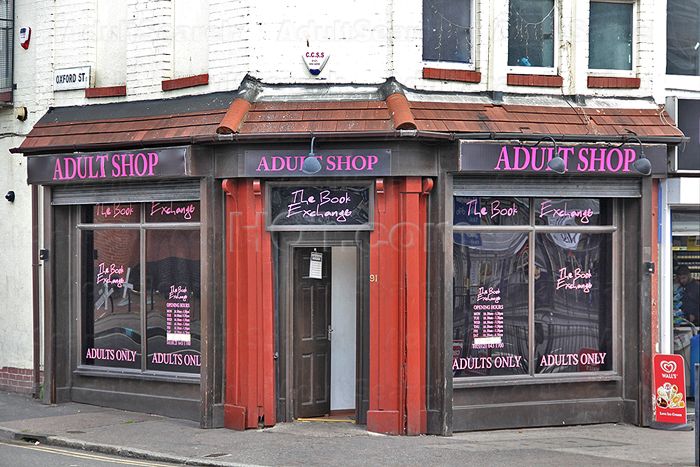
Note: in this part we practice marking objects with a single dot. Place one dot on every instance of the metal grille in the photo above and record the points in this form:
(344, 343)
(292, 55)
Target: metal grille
(6, 41)
(180, 190)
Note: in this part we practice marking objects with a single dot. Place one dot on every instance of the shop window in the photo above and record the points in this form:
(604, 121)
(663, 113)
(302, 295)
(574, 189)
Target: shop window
(610, 36)
(683, 37)
(447, 31)
(532, 287)
(141, 287)
(531, 33)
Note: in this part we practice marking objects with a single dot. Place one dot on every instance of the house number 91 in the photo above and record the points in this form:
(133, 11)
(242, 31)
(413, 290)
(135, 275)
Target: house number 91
(373, 278)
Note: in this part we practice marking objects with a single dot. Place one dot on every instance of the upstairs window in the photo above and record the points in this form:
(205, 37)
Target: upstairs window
(683, 37)
(447, 31)
(610, 36)
(6, 44)
(531, 33)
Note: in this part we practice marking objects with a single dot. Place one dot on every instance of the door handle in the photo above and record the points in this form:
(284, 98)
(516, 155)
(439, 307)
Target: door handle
(330, 332)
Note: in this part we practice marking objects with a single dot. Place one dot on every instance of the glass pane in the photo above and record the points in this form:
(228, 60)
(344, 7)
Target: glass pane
(610, 36)
(173, 300)
(110, 294)
(447, 30)
(559, 212)
(113, 213)
(683, 37)
(531, 33)
(490, 319)
(469, 210)
(172, 211)
(573, 302)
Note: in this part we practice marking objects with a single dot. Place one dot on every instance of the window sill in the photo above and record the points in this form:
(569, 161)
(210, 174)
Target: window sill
(187, 82)
(546, 81)
(105, 91)
(481, 382)
(446, 74)
(613, 82)
(6, 97)
(110, 372)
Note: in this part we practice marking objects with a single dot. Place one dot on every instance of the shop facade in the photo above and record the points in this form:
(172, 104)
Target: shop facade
(411, 280)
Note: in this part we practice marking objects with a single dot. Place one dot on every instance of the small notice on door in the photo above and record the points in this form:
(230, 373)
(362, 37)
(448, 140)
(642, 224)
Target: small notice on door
(315, 266)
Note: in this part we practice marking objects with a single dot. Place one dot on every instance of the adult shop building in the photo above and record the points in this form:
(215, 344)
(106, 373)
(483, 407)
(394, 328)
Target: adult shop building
(415, 262)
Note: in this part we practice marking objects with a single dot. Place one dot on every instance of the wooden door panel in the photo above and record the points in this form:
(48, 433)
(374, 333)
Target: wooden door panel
(311, 315)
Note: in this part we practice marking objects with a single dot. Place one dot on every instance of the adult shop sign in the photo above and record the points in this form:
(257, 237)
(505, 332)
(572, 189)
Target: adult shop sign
(115, 165)
(340, 163)
(579, 159)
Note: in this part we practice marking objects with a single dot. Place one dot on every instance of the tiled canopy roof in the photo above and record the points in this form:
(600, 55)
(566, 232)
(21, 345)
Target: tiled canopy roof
(204, 118)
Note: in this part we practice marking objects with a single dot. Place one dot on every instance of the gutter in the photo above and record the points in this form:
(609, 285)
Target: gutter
(344, 136)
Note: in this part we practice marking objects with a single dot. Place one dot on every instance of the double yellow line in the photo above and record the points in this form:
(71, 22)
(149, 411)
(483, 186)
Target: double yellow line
(83, 455)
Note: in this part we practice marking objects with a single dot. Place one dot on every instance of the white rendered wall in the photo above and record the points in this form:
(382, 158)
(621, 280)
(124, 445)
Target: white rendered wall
(110, 51)
(343, 322)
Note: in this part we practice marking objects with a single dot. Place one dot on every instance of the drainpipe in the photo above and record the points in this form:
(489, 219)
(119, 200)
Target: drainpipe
(36, 325)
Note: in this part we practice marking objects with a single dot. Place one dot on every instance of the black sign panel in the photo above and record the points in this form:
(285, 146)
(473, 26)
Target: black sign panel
(294, 207)
(119, 165)
(341, 163)
(689, 123)
(579, 159)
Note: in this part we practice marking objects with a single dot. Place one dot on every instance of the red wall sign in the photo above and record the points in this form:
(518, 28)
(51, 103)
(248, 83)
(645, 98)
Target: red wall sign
(669, 389)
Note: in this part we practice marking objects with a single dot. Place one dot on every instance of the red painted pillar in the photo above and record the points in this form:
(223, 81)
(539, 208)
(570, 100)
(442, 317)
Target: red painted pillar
(249, 394)
(398, 309)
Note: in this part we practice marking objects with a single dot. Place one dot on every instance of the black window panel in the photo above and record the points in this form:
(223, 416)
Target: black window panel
(447, 30)
(490, 318)
(573, 302)
(558, 212)
(472, 210)
(610, 36)
(531, 33)
(683, 37)
(110, 294)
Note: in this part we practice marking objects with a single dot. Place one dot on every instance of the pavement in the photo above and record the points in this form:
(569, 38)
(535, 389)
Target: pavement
(163, 439)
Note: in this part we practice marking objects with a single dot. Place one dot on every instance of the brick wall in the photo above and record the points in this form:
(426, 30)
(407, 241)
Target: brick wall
(17, 380)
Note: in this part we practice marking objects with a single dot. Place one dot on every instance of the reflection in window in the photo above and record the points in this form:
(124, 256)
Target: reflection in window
(173, 313)
(447, 30)
(683, 37)
(610, 36)
(531, 33)
(112, 314)
(490, 334)
(573, 302)
(470, 210)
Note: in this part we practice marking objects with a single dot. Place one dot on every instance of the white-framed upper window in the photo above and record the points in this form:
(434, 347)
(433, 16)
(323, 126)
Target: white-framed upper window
(683, 37)
(611, 36)
(448, 32)
(6, 43)
(532, 38)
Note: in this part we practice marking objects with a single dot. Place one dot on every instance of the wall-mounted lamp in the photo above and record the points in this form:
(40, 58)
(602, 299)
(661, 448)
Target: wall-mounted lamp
(311, 165)
(556, 163)
(10, 196)
(642, 164)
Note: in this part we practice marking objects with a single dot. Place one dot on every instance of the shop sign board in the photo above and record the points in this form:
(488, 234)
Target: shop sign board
(300, 207)
(99, 166)
(688, 155)
(579, 159)
(669, 389)
(68, 79)
(340, 163)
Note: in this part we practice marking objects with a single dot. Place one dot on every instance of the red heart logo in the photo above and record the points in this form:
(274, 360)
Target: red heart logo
(668, 367)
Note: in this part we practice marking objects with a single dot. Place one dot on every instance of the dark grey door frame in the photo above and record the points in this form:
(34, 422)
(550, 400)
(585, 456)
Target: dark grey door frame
(284, 244)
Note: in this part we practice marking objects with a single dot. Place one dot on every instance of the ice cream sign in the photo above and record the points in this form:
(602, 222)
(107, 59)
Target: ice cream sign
(669, 389)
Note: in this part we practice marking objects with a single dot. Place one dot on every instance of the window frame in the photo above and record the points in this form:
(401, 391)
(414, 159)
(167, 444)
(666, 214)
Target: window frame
(448, 65)
(10, 49)
(537, 70)
(532, 377)
(142, 227)
(631, 73)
